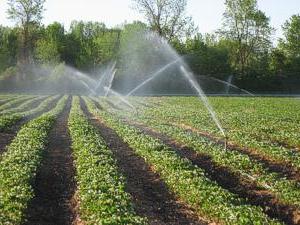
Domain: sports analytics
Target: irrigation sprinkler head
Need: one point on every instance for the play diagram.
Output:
(225, 142)
(136, 113)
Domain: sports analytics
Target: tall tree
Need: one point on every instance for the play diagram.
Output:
(27, 14)
(291, 42)
(8, 47)
(51, 46)
(167, 17)
(249, 30)
(97, 43)
(290, 45)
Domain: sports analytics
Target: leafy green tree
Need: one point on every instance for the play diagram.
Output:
(27, 14)
(47, 52)
(249, 30)
(208, 57)
(291, 42)
(167, 17)
(133, 49)
(277, 61)
(97, 44)
(290, 45)
(8, 47)
(51, 46)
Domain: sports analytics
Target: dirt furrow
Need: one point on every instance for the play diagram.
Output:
(150, 195)
(229, 180)
(6, 137)
(55, 185)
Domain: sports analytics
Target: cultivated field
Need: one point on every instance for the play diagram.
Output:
(88, 160)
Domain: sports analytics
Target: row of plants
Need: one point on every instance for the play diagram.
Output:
(187, 181)
(24, 106)
(43, 106)
(8, 120)
(101, 190)
(265, 119)
(288, 191)
(193, 115)
(19, 164)
(9, 96)
(6, 98)
(16, 101)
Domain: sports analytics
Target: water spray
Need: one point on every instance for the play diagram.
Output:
(104, 75)
(189, 76)
(110, 82)
(229, 84)
(126, 102)
(87, 86)
(152, 77)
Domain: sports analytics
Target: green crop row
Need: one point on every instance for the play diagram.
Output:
(41, 107)
(237, 131)
(286, 190)
(7, 98)
(187, 181)
(267, 120)
(6, 121)
(15, 101)
(18, 166)
(25, 105)
(101, 190)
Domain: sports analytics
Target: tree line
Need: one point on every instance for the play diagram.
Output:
(242, 47)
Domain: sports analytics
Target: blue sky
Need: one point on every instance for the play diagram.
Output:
(207, 14)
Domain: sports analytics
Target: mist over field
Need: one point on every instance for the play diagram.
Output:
(149, 122)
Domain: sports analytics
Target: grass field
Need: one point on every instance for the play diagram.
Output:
(88, 160)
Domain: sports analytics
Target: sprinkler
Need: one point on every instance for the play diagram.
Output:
(225, 142)
(136, 113)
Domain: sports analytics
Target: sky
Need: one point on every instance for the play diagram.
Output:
(207, 14)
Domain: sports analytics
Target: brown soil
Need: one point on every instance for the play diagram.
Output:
(283, 168)
(6, 137)
(150, 195)
(245, 188)
(54, 185)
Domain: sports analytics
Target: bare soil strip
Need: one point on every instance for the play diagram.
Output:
(6, 137)
(55, 185)
(150, 195)
(283, 168)
(227, 179)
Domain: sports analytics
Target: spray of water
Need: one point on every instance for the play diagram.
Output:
(190, 77)
(154, 75)
(229, 82)
(168, 52)
(110, 82)
(85, 85)
(88, 80)
(120, 97)
(105, 77)
(228, 85)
